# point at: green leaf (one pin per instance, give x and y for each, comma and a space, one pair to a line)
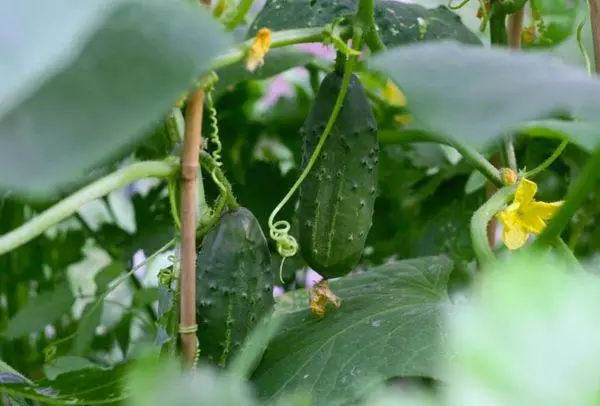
40, 311
388, 325
475, 94
107, 274
256, 343
123, 332
397, 22
446, 228
276, 61
475, 182
92, 385
104, 76
86, 330
65, 364
402, 23
280, 15
527, 336
584, 134
559, 18
146, 296
159, 382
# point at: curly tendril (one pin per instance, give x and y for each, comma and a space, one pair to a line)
214, 137
287, 246
214, 126
588, 64
458, 6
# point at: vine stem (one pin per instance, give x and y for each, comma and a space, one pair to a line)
66, 207
279, 39
192, 142
476, 159
240, 14
365, 14
480, 221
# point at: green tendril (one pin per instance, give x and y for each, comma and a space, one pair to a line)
214, 126
216, 153
173, 203
457, 6
287, 246
540, 168
588, 63
197, 354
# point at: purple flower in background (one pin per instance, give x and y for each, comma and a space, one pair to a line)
277, 88
318, 49
312, 278
138, 258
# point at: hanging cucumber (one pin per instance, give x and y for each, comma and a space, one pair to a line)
234, 284
337, 197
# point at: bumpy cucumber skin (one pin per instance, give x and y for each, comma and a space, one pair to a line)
337, 198
233, 286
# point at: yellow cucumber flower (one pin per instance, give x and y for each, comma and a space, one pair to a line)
256, 54
525, 215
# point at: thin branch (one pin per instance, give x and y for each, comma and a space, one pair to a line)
66, 207
240, 14
189, 172
278, 39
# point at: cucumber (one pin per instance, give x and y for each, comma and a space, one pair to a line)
234, 284
337, 198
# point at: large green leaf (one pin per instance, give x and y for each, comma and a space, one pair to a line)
528, 336
402, 23
584, 134
86, 330
106, 73
289, 14
40, 311
389, 325
90, 385
66, 364
398, 23
158, 382
475, 94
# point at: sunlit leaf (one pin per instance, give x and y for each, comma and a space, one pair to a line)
389, 325
99, 82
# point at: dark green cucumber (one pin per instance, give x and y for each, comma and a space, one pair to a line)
336, 199
234, 284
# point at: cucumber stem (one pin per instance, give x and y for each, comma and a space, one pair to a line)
480, 220
366, 17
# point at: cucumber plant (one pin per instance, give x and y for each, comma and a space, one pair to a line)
441, 187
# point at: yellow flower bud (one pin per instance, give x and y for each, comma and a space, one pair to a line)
256, 54
508, 176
